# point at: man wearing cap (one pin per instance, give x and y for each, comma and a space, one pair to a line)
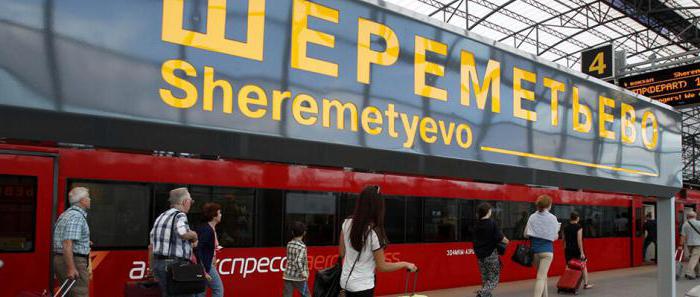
71, 243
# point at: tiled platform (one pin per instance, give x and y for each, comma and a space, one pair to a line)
632, 282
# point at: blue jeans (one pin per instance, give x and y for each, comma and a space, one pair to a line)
301, 286
216, 285
159, 266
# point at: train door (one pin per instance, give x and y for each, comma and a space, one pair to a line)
26, 204
637, 231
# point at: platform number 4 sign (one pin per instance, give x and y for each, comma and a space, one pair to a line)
598, 62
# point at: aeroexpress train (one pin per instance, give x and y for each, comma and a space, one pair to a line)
428, 220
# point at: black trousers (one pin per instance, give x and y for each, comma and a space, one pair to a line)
365, 293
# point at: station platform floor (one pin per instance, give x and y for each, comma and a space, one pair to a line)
630, 282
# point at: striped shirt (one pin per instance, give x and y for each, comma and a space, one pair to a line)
72, 225
164, 242
297, 266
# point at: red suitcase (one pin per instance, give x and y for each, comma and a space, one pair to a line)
146, 288
570, 281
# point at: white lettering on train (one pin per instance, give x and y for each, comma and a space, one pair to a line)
272, 264
139, 270
247, 266
227, 266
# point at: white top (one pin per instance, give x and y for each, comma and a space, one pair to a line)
544, 225
362, 277
692, 237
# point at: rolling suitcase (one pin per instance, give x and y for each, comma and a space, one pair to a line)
570, 280
145, 288
413, 291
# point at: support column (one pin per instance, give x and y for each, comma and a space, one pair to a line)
665, 221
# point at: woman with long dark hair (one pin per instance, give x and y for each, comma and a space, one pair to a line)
362, 243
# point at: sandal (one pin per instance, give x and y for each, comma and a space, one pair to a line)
587, 286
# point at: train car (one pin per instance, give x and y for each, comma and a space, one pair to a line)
428, 219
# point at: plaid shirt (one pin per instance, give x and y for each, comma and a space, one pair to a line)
165, 244
72, 225
297, 266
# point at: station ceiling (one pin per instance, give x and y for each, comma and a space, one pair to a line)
558, 30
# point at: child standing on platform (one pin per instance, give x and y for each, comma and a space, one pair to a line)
296, 273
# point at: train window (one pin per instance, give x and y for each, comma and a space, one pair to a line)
269, 218
440, 218
236, 227
414, 218
317, 211
237, 208
467, 217
161, 194
512, 217
395, 218
622, 222
346, 205
119, 214
17, 213
200, 195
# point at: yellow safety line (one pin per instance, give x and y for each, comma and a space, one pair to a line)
567, 161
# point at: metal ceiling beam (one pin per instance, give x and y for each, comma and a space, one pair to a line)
657, 15
623, 37
574, 35
443, 8
528, 21
540, 23
569, 15
625, 28
489, 14
488, 24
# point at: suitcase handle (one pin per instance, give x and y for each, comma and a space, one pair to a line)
415, 281
70, 286
675, 255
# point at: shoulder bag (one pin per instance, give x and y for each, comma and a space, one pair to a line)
523, 255
184, 277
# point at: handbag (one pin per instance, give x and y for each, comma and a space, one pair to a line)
523, 255
327, 281
501, 248
185, 277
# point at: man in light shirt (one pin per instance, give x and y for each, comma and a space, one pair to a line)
690, 236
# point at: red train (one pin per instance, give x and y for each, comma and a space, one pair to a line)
428, 219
